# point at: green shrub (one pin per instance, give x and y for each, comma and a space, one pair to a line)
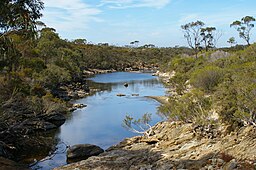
52, 76
191, 107
207, 78
36, 64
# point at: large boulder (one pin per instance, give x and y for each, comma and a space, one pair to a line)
55, 118
82, 152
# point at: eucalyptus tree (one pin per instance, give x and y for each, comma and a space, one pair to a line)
208, 37
231, 41
19, 15
18, 18
48, 44
135, 43
244, 27
192, 33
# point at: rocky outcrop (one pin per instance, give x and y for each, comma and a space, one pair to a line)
77, 106
22, 129
178, 146
82, 151
165, 76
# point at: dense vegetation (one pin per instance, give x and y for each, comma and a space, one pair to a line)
211, 86
217, 87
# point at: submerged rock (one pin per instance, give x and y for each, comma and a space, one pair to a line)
135, 94
120, 95
82, 151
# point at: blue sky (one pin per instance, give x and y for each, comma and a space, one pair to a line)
158, 22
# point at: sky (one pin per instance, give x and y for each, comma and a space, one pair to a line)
158, 22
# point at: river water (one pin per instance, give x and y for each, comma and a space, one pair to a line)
100, 123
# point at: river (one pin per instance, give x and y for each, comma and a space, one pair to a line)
100, 123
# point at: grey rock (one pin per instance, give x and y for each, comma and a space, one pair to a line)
57, 119
83, 151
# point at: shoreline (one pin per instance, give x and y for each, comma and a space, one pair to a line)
177, 145
160, 99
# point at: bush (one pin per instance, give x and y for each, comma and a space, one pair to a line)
191, 107
207, 78
52, 76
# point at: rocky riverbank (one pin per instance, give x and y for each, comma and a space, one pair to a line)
27, 123
174, 145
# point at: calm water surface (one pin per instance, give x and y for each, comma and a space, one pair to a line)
100, 123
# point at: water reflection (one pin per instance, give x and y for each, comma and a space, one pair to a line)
100, 122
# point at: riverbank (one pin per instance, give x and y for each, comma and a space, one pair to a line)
28, 122
174, 145
160, 99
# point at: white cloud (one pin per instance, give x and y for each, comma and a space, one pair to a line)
66, 15
122, 4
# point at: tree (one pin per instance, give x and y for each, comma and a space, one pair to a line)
140, 126
135, 43
17, 18
208, 37
80, 41
19, 15
48, 44
244, 27
192, 33
231, 41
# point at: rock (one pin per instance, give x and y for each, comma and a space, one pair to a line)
79, 105
3, 126
150, 140
6, 164
120, 95
30, 126
82, 151
125, 84
57, 119
135, 94
178, 148
6, 151
232, 165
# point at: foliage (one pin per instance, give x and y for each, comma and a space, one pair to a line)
20, 15
190, 107
140, 126
244, 27
207, 78
208, 37
231, 41
52, 76
192, 33
225, 85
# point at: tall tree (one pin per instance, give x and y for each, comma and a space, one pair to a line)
192, 33
244, 27
48, 44
17, 17
19, 14
208, 37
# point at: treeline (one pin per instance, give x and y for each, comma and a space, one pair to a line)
47, 61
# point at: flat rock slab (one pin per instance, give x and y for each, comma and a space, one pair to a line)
82, 151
